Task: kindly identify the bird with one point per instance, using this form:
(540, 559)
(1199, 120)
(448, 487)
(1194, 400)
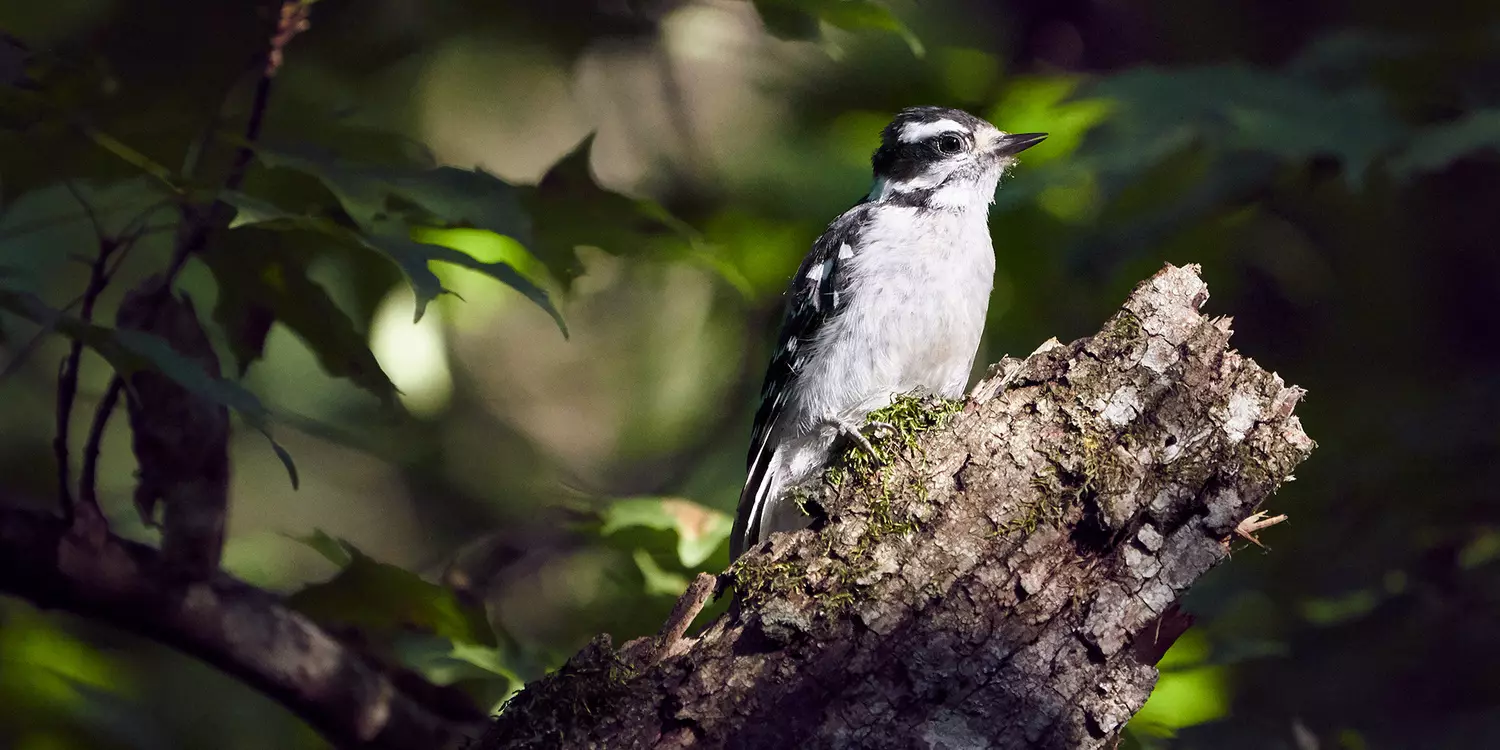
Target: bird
(890, 300)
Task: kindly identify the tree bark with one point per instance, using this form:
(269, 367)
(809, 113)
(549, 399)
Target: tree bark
(1007, 581)
(245, 631)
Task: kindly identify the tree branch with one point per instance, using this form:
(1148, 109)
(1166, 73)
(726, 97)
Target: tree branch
(236, 627)
(1008, 582)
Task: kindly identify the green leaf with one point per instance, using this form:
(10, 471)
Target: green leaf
(384, 600)
(135, 351)
(700, 530)
(413, 258)
(335, 550)
(262, 276)
(1241, 108)
(444, 662)
(394, 241)
(1437, 147)
(133, 157)
(659, 582)
(570, 210)
(375, 195)
(41, 228)
(799, 19)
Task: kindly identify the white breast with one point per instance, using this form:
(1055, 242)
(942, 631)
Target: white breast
(917, 301)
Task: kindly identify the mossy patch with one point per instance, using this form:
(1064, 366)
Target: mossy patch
(908, 417)
(833, 580)
(574, 697)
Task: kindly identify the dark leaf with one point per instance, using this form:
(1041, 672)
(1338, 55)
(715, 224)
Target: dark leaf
(133, 351)
(41, 228)
(1241, 108)
(1437, 147)
(262, 277)
(376, 195)
(800, 19)
(393, 240)
(384, 600)
(570, 210)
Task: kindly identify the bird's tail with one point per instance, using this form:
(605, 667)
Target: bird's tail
(761, 487)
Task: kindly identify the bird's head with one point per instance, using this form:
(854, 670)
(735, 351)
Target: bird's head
(935, 157)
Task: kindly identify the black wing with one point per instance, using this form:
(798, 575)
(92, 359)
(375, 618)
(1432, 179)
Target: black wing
(818, 292)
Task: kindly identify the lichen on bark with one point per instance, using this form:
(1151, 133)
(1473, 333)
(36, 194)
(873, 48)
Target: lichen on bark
(1000, 581)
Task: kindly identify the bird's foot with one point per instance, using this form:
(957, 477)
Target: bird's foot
(880, 430)
(858, 434)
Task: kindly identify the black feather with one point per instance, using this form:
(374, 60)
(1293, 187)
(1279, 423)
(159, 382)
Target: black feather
(811, 303)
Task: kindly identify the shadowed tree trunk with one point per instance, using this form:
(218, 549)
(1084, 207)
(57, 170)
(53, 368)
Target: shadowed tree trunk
(1007, 579)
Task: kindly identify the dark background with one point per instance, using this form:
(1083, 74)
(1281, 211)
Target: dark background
(1333, 166)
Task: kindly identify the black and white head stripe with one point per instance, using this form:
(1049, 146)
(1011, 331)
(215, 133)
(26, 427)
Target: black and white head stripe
(913, 142)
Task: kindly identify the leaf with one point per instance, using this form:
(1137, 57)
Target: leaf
(335, 550)
(134, 351)
(413, 258)
(1437, 147)
(1241, 108)
(658, 581)
(375, 195)
(132, 157)
(700, 530)
(444, 662)
(40, 228)
(799, 19)
(394, 241)
(262, 277)
(570, 210)
(384, 600)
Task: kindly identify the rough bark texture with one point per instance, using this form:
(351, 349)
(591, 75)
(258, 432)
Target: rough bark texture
(1007, 581)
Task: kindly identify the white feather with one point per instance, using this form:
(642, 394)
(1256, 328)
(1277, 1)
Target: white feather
(921, 131)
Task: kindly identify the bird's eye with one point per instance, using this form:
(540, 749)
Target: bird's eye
(949, 143)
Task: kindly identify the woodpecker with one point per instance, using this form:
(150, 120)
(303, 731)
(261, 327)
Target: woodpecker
(891, 300)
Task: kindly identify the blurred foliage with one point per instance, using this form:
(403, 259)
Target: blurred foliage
(439, 186)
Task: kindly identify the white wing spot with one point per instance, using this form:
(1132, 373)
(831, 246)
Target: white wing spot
(815, 274)
(920, 131)
(846, 252)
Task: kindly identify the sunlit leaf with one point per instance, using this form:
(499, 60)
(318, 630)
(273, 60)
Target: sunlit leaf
(659, 582)
(383, 599)
(700, 530)
(1186, 697)
(413, 258)
(444, 662)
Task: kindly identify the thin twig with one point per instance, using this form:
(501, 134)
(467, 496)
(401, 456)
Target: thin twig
(88, 490)
(67, 376)
(196, 224)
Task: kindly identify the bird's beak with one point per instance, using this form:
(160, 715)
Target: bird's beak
(1015, 143)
